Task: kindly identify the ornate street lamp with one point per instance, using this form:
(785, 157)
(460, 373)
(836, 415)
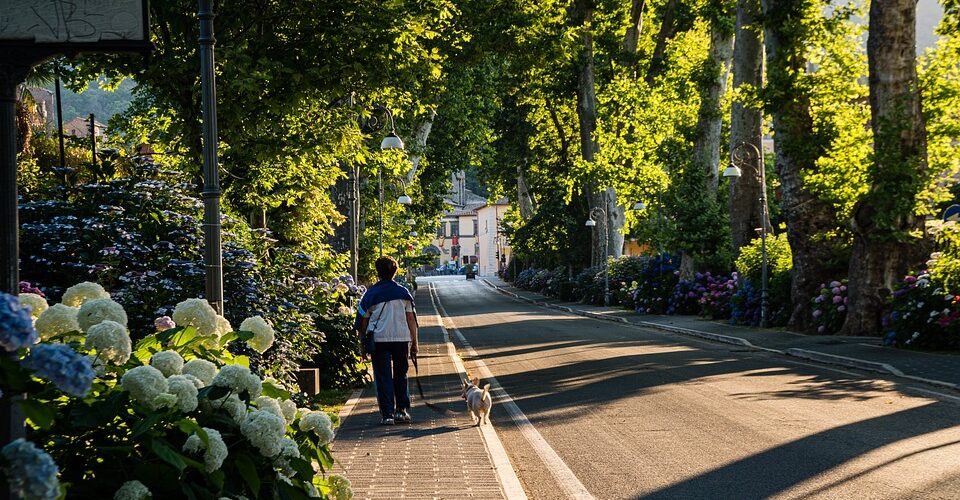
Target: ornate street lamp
(733, 172)
(606, 262)
(391, 142)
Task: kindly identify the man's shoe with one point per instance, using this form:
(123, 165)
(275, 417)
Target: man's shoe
(402, 417)
(387, 421)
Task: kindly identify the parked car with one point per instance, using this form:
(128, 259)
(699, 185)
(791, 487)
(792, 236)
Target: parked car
(470, 270)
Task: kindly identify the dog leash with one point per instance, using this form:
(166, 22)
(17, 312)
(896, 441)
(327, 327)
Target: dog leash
(438, 409)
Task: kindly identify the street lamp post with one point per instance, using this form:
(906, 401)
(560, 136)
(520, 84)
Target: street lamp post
(734, 172)
(391, 141)
(606, 262)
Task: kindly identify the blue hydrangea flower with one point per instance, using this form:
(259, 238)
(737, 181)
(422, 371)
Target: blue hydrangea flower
(16, 326)
(31, 473)
(69, 371)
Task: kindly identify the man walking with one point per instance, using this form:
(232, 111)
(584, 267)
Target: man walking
(387, 310)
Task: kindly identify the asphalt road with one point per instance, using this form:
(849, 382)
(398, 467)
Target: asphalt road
(587, 408)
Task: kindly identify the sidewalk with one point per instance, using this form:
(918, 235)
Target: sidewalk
(865, 353)
(440, 454)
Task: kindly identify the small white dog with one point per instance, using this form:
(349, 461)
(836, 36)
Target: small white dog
(478, 400)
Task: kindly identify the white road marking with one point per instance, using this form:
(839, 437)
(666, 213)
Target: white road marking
(501, 461)
(568, 481)
(955, 399)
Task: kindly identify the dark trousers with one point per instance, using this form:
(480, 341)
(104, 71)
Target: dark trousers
(391, 381)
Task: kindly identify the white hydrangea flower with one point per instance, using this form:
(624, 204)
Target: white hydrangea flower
(111, 341)
(145, 383)
(232, 405)
(199, 314)
(321, 425)
(36, 303)
(214, 452)
(97, 311)
(183, 387)
(340, 487)
(165, 400)
(265, 431)
(289, 448)
(289, 410)
(223, 326)
(80, 293)
(194, 380)
(263, 334)
(238, 378)
(57, 320)
(267, 403)
(168, 362)
(202, 369)
(132, 490)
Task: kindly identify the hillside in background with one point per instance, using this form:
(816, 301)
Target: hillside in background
(102, 103)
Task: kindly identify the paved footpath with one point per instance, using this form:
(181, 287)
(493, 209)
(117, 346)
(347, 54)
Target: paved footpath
(441, 454)
(865, 353)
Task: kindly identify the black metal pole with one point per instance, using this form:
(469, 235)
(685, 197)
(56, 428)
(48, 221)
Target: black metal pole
(352, 175)
(764, 292)
(56, 74)
(11, 418)
(213, 258)
(380, 186)
(93, 140)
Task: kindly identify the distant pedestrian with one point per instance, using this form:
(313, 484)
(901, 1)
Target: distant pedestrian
(387, 310)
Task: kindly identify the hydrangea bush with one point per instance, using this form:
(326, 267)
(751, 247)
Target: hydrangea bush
(181, 416)
(141, 239)
(649, 291)
(830, 307)
(923, 314)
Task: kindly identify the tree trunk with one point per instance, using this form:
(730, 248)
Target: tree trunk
(706, 148)
(746, 124)
(524, 199)
(668, 28)
(587, 117)
(807, 216)
(883, 248)
(632, 38)
(617, 218)
(420, 144)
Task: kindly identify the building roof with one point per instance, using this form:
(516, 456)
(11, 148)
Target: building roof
(80, 127)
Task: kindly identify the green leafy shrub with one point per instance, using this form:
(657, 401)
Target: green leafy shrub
(747, 300)
(141, 239)
(175, 415)
(921, 314)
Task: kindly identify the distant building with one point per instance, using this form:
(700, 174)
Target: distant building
(469, 231)
(80, 127)
(46, 106)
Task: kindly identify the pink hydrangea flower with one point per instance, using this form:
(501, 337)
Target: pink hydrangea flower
(164, 323)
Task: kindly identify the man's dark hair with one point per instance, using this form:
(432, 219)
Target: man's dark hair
(386, 267)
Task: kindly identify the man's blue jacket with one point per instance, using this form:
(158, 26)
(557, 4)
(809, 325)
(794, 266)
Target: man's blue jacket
(382, 291)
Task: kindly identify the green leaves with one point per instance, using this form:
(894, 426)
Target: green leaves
(248, 471)
(40, 414)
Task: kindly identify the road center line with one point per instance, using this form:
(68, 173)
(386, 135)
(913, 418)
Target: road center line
(558, 468)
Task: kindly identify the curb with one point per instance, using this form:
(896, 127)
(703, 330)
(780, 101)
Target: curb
(815, 356)
(834, 359)
(716, 337)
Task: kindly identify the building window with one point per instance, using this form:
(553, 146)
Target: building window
(476, 227)
(455, 228)
(440, 232)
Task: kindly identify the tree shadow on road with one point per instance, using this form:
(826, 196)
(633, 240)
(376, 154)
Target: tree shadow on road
(773, 471)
